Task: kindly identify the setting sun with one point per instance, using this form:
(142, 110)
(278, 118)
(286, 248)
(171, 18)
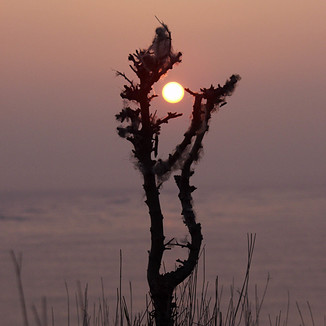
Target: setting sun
(173, 92)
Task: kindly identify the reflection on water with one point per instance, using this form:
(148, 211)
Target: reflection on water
(78, 235)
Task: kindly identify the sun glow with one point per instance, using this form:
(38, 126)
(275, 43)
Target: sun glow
(173, 92)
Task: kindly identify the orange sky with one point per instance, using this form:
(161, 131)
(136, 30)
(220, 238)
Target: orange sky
(59, 93)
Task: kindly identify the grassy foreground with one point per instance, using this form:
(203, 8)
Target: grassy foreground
(193, 306)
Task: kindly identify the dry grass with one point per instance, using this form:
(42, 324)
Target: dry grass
(193, 305)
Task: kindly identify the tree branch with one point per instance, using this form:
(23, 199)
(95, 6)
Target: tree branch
(200, 119)
(164, 168)
(171, 115)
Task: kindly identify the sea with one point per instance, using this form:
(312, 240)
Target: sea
(100, 239)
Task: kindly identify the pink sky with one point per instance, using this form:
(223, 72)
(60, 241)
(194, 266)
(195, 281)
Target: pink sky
(59, 93)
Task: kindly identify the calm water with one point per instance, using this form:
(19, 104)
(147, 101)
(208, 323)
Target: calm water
(66, 237)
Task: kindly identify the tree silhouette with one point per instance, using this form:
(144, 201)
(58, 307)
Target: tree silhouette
(142, 128)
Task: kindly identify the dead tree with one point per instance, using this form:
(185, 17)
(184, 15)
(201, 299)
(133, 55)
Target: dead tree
(142, 128)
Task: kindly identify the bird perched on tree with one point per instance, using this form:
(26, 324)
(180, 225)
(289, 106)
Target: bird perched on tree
(159, 52)
(161, 46)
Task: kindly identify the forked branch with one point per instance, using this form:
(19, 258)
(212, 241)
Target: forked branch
(142, 130)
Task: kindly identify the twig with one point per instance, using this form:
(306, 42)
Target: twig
(299, 310)
(118, 73)
(120, 289)
(287, 310)
(311, 315)
(191, 92)
(67, 292)
(171, 115)
(259, 305)
(18, 269)
(251, 245)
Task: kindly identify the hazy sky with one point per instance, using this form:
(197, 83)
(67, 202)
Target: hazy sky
(59, 92)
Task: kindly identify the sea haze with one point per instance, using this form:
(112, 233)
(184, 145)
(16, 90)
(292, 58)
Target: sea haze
(77, 236)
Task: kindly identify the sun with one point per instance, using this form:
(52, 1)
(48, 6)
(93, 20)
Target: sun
(173, 92)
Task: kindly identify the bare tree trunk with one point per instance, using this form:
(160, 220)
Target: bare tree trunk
(143, 131)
